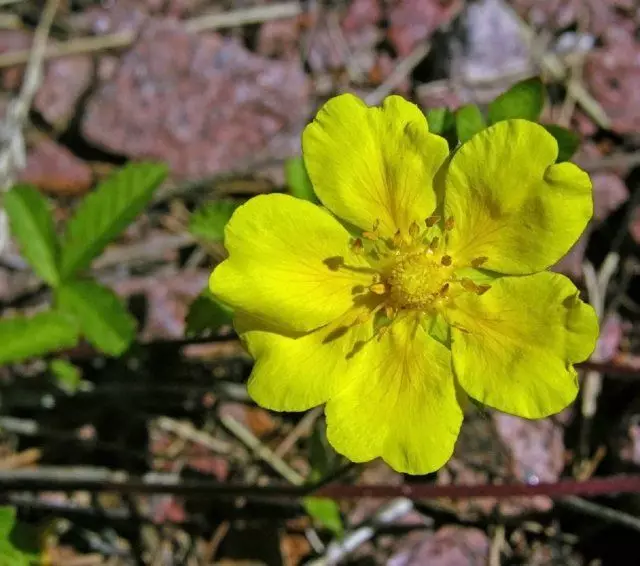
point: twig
(303, 427)
(399, 73)
(602, 512)
(97, 480)
(388, 514)
(261, 451)
(497, 543)
(126, 38)
(12, 144)
(188, 432)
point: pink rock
(413, 21)
(448, 546)
(202, 103)
(53, 168)
(65, 81)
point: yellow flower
(422, 282)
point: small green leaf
(297, 179)
(568, 141)
(32, 225)
(7, 520)
(469, 121)
(68, 376)
(22, 338)
(208, 221)
(207, 314)
(523, 100)
(102, 317)
(440, 120)
(106, 212)
(326, 512)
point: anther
(434, 243)
(356, 246)
(414, 230)
(478, 261)
(446, 260)
(468, 284)
(482, 289)
(443, 290)
(397, 239)
(389, 311)
(378, 288)
(432, 220)
(449, 223)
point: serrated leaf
(523, 100)
(297, 179)
(469, 121)
(326, 512)
(106, 212)
(22, 338)
(568, 141)
(32, 225)
(68, 376)
(207, 314)
(208, 221)
(103, 319)
(440, 120)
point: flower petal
(297, 373)
(511, 203)
(284, 264)
(368, 164)
(513, 347)
(403, 406)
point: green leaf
(102, 317)
(326, 512)
(19, 543)
(208, 221)
(32, 225)
(207, 314)
(523, 100)
(297, 179)
(22, 338)
(440, 120)
(469, 121)
(68, 376)
(106, 212)
(568, 141)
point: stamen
(443, 290)
(356, 246)
(389, 311)
(432, 220)
(414, 230)
(482, 289)
(373, 236)
(468, 284)
(397, 239)
(378, 288)
(446, 260)
(449, 223)
(478, 261)
(376, 225)
(434, 244)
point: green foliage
(326, 512)
(208, 221)
(469, 121)
(32, 225)
(18, 543)
(106, 212)
(207, 314)
(523, 100)
(298, 180)
(68, 377)
(568, 141)
(440, 120)
(22, 338)
(102, 317)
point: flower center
(416, 281)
